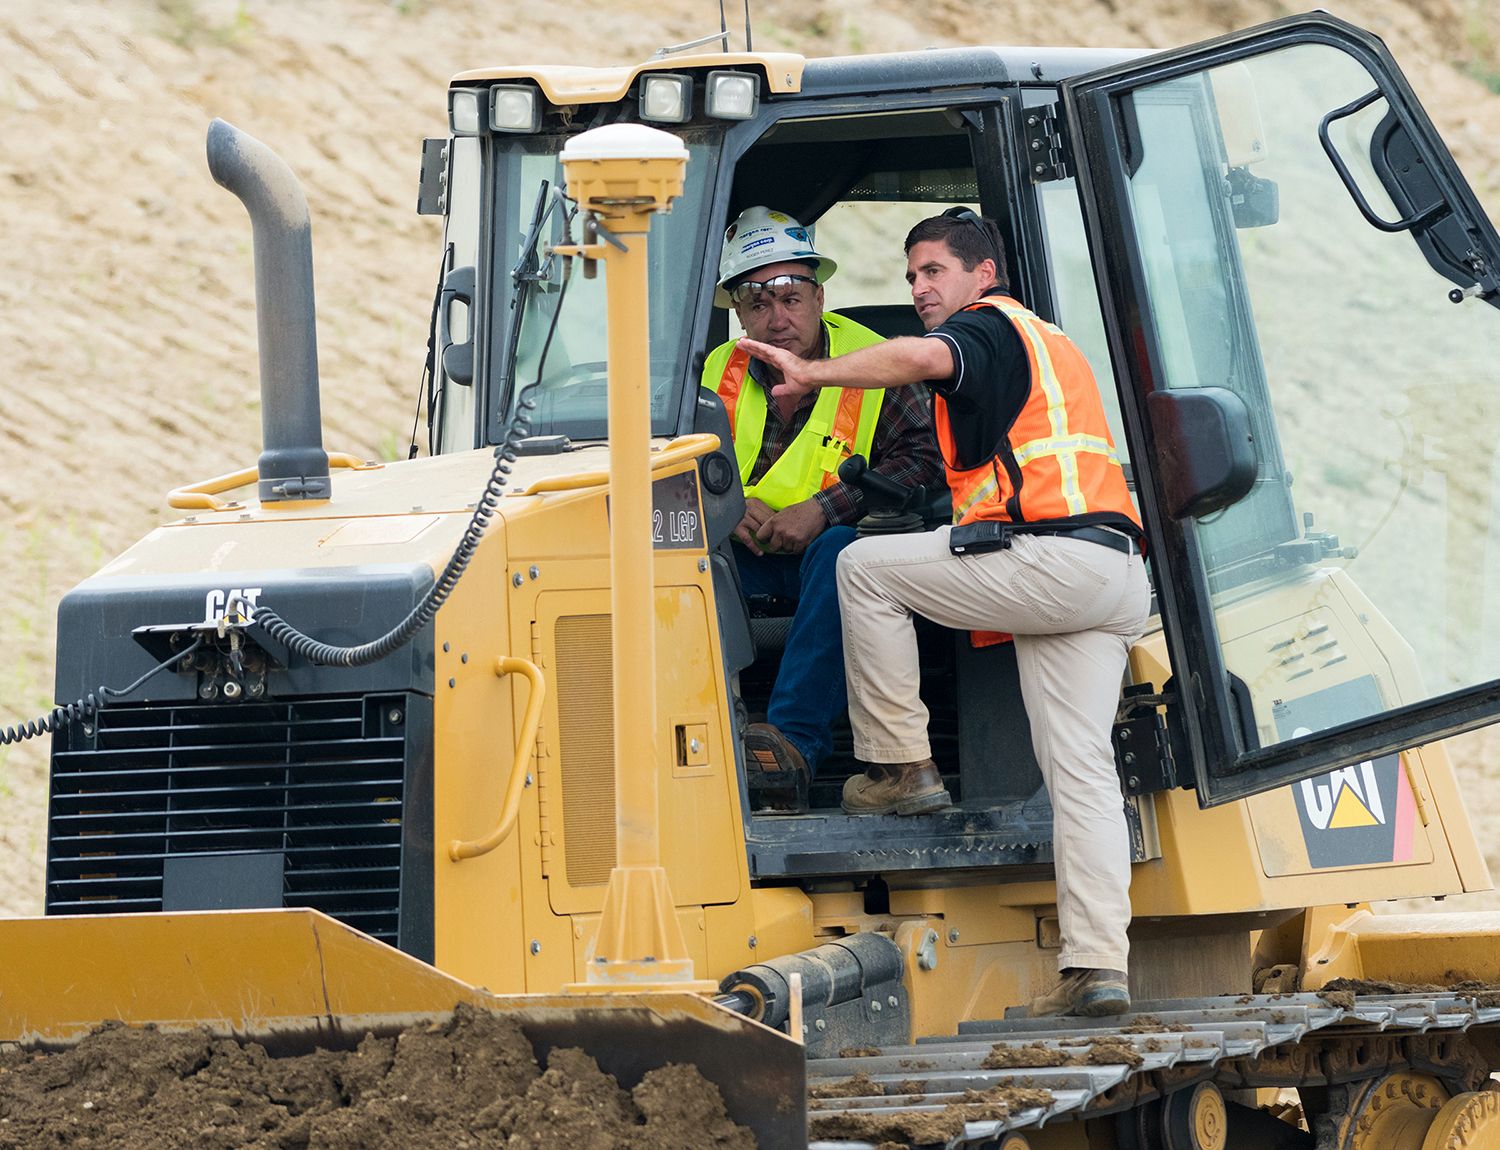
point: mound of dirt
(472, 1082)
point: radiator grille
(586, 740)
(320, 781)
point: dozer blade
(296, 979)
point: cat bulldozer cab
(1288, 294)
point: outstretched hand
(793, 368)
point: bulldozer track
(1238, 1042)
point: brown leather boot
(775, 771)
(1091, 993)
(902, 788)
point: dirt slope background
(126, 295)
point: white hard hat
(760, 237)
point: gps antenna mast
(747, 23)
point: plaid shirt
(904, 448)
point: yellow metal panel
(1438, 948)
(701, 849)
(238, 970)
(477, 902)
(778, 919)
(1216, 861)
(969, 915)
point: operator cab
(1289, 298)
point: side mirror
(1205, 450)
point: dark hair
(968, 236)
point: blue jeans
(809, 692)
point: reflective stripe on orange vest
(1058, 460)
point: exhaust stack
(293, 464)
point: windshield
(572, 398)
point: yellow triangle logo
(1350, 812)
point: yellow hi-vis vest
(842, 422)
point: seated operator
(798, 514)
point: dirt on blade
(470, 1082)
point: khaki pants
(1074, 608)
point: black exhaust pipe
(293, 464)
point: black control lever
(881, 493)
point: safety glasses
(746, 290)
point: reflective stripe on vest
(1058, 460)
(841, 424)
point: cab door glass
(1362, 572)
(1076, 295)
(454, 405)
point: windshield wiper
(526, 270)
(523, 275)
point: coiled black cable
(327, 654)
(87, 707)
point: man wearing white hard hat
(799, 515)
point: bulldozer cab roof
(788, 74)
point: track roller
(1393, 1112)
(1467, 1122)
(1194, 1118)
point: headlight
(666, 98)
(515, 108)
(463, 111)
(732, 95)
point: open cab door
(1301, 299)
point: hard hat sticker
(777, 217)
(760, 243)
(798, 234)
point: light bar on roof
(666, 97)
(463, 112)
(732, 95)
(515, 108)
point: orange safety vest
(1058, 459)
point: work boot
(1083, 990)
(903, 788)
(775, 770)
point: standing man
(798, 514)
(1046, 546)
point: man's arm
(895, 363)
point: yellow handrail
(202, 496)
(458, 849)
(684, 447)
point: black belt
(1101, 535)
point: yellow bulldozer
(379, 739)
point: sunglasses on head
(746, 290)
(968, 217)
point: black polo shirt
(990, 381)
